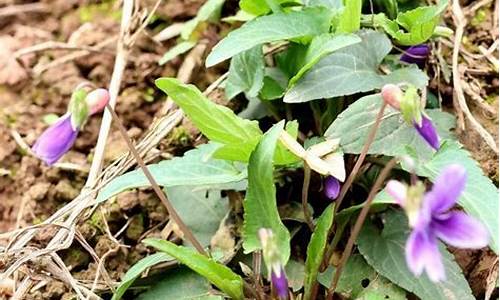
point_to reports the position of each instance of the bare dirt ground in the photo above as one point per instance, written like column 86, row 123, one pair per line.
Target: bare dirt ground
column 32, row 90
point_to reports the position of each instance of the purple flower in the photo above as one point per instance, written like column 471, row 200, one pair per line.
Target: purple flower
column 431, row 219
column 280, row 283
column 428, row 132
column 416, row 54
column 332, row 187
column 56, row 140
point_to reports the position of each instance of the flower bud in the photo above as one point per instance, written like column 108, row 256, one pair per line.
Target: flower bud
column 392, row 95
column 272, row 258
column 428, row 132
column 416, row 54
column 332, row 187
column 56, row 140
column 96, row 100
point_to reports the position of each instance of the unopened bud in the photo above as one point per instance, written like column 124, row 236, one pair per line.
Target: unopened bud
column 392, row 95
column 96, row 100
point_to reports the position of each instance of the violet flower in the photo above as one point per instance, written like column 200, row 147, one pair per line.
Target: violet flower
column 393, row 96
column 431, row 219
column 332, row 187
column 416, row 54
column 58, row 138
column 428, row 132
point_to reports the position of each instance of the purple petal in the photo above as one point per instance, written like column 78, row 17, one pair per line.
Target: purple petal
column 280, row 284
column 332, row 187
column 56, row 140
column 460, row 230
column 416, row 54
column 447, row 188
column 396, row 190
column 428, row 132
column 422, row 253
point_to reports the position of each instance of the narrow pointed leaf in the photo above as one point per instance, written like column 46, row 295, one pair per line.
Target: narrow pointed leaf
column 316, row 249
column 219, row 275
column 260, row 208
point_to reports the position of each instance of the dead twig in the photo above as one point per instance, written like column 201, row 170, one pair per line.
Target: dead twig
column 461, row 22
column 11, row 10
column 170, row 32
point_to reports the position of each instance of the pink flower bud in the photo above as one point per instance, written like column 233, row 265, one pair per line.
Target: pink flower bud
column 392, row 95
column 97, row 100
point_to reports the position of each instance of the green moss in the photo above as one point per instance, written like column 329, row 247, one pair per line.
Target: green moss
column 180, row 136
column 92, row 12
column 136, row 227
column 479, row 18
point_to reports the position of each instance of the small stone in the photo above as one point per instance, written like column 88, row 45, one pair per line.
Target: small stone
column 65, row 191
column 127, row 200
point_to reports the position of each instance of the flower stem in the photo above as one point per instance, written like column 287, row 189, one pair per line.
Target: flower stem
column 359, row 222
column 361, row 158
column 305, row 192
column 171, row 210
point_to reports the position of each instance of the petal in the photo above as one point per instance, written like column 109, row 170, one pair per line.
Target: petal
column 422, row 253
column 332, row 187
column 460, row 230
column 397, row 190
column 447, row 188
column 433, row 263
column 428, row 132
column 56, row 140
column 415, row 250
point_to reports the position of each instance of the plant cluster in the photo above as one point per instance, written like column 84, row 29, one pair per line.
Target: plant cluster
column 341, row 95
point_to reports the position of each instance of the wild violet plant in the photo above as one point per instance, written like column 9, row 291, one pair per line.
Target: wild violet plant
column 331, row 97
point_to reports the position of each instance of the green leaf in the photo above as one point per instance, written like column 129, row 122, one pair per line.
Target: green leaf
column 275, row 27
column 393, row 136
column 195, row 168
column 260, row 209
column 320, row 46
column 258, row 7
column 271, row 89
column 385, row 252
column 418, row 24
column 316, row 249
column 216, row 122
column 136, row 270
column 177, row 50
column 360, row 281
column 331, row 4
column 480, row 197
column 210, row 11
column 295, row 274
column 351, row 70
column 246, row 73
column 180, row 284
column 201, row 210
column 219, row 275
column 351, row 17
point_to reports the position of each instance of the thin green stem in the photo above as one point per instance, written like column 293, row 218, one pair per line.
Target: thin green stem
column 305, row 192
column 359, row 222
